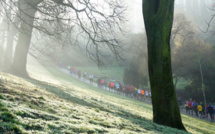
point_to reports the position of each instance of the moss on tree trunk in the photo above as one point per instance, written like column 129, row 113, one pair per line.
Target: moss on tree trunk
column 158, row 18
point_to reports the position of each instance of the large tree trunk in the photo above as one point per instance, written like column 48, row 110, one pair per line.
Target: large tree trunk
column 158, row 18
column 18, row 66
column 27, row 12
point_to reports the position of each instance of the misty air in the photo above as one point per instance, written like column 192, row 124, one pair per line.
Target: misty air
column 107, row 66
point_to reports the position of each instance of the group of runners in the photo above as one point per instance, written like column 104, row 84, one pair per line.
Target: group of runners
column 113, row 85
column 126, row 90
column 198, row 109
column 123, row 89
column 75, row 71
column 191, row 107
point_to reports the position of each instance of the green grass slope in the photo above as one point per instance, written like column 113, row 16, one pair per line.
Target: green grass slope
column 110, row 72
column 53, row 102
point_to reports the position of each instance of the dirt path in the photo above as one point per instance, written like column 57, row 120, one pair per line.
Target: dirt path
column 183, row 111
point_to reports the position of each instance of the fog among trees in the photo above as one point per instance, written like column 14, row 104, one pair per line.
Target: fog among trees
column 163, row 47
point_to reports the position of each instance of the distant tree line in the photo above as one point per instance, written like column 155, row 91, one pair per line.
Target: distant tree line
column 192, row 55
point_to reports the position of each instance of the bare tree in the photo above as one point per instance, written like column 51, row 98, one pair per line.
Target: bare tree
column 209, row 23
column 193, row 57
column 26, row 14
column 94, row 23
column 182, row 31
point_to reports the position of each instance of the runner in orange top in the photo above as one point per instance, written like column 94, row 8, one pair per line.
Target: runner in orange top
column 142, row 92
column 112, row 85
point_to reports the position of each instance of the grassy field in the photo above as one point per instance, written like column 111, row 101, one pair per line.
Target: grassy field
column 182, row 83
column 53, row 102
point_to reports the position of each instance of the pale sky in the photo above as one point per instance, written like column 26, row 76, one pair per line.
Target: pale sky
column 135, row 17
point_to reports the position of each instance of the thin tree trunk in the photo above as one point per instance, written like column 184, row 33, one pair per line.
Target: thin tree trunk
column 11, row 32
column 158, row 18
column 203, row 86
column 2, row 47
column 18, row 66
column 9, row 49
column 176, row 81
column 6, row 21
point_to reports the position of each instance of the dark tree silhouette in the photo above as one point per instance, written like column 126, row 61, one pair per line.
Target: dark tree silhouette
column 158, row 18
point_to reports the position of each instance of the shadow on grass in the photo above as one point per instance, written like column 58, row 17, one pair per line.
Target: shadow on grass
column 135, row 119
column 63, row 95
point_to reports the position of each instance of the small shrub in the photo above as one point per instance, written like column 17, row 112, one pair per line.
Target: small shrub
column 24, row 114
column 76, row 117
column 9, row 128
column 97, row 110
column 85, row 129
column 32, row 127
column 34, row 102
column 94, row 122
column 11, row 99
column 1, row 97
column 52, row 126
column 8, row 123
column 15, row 129
column 52, row 111
column 2, row 108
column 98, row 119
column 7, row 116
column 41, row 98
column 106, row 124
column 100, row 131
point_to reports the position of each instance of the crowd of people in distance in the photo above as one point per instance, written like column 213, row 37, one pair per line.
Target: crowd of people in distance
column 198, row 109
column 113, row 85
column 189, row 107
column 124, row 89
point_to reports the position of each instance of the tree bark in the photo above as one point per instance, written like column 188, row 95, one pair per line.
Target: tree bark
column 158, row 18
column 27, row 12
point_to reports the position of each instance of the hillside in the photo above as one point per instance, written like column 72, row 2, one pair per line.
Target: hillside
column 53, row 102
